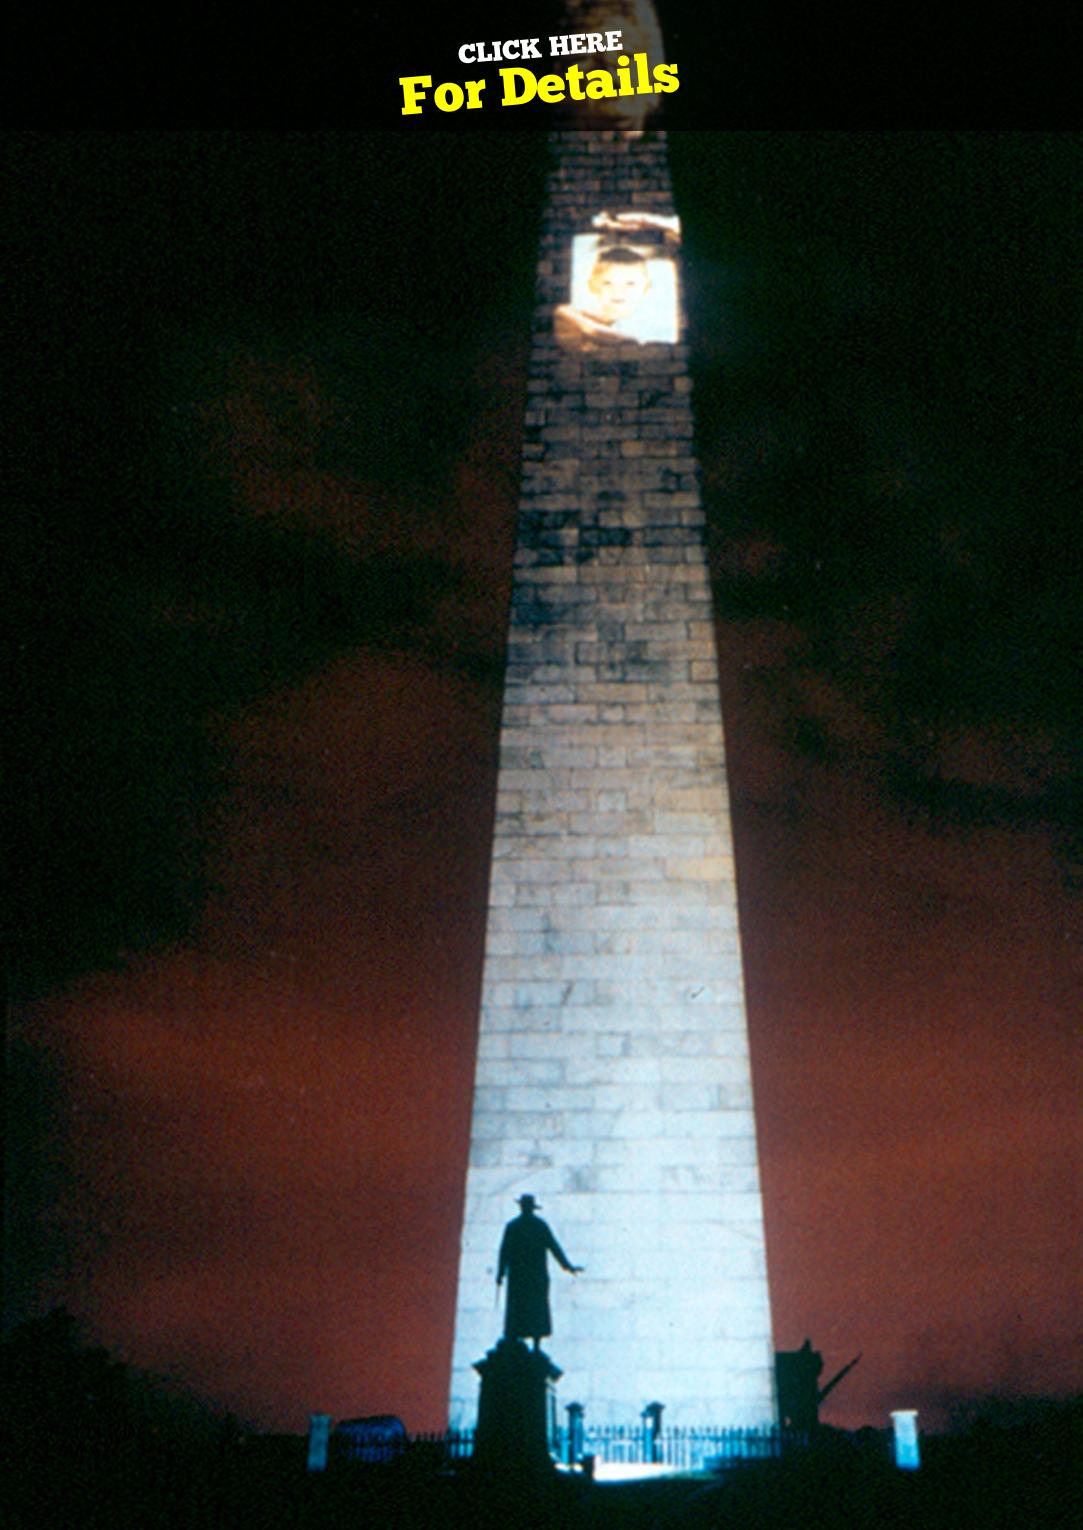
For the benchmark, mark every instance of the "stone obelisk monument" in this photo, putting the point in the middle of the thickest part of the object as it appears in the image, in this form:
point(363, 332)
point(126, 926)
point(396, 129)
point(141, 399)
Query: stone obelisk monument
point(613, 1079)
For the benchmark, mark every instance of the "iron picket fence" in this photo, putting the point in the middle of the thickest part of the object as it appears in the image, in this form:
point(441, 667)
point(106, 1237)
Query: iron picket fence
point(674, 1448)
point(677, 1448)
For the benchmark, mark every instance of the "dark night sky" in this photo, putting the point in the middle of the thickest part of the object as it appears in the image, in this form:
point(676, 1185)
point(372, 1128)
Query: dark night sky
point(266, 441)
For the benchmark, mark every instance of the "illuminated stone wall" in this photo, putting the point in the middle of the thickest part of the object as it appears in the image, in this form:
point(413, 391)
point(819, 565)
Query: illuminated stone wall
point(613, 1076)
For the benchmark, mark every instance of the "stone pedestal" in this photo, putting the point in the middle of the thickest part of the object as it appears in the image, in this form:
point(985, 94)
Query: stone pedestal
point(515, 1408)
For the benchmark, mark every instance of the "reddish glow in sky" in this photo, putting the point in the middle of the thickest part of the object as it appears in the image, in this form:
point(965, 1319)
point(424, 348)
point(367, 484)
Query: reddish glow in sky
point(252, 1132)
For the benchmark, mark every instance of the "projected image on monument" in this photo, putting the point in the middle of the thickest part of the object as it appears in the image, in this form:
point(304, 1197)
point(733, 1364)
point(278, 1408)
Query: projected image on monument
point(624, 283)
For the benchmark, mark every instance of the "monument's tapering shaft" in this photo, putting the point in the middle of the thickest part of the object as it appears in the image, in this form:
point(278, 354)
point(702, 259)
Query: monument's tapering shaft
point(613, 1076)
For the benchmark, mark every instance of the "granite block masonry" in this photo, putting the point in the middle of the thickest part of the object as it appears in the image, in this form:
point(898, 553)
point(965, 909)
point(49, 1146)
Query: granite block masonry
point(613, 1077)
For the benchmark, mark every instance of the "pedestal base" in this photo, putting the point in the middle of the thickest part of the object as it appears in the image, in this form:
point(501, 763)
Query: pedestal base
point(514, 1408)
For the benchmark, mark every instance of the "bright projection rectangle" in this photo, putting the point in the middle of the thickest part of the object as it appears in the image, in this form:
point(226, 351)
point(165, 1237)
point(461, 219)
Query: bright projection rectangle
point(623, 283)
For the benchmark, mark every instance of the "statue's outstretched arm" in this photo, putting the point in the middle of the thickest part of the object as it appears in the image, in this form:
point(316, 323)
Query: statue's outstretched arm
point(561, 1257)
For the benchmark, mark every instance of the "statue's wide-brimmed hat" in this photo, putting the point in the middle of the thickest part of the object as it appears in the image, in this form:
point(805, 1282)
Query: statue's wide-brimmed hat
point(527, 1202)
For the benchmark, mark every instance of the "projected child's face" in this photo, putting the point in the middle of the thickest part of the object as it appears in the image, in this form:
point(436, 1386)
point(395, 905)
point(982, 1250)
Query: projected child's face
point(617, 290)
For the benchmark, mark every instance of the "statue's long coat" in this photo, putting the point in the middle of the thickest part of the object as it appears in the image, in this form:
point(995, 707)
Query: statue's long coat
point(523, 1250)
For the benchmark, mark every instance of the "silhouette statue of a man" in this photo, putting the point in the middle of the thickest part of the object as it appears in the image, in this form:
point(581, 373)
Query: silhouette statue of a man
point(524, 1248)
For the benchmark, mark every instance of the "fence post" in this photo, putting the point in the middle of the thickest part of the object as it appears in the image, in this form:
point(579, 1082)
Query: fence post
point(574, 1411)
point(652, 1431)
point(907, 1452)
point(319, 1437)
